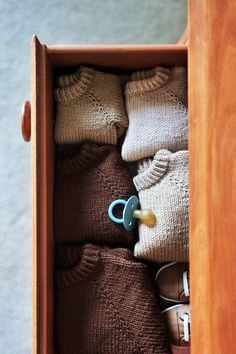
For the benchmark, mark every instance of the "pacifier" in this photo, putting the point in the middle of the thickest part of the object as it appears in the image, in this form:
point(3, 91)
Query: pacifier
point(131, 213)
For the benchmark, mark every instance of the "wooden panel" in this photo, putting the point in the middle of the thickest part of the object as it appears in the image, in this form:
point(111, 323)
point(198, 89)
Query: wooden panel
point(42, 180)
point(212, 120)
point(183, 39)
point(118, 56)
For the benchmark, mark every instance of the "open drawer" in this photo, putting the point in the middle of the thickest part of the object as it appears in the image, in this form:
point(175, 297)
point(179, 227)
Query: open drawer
point(211, 60)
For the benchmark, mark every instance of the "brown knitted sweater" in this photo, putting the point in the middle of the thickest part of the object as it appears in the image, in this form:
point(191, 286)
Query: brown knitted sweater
point(85, 185)
point(105, 304)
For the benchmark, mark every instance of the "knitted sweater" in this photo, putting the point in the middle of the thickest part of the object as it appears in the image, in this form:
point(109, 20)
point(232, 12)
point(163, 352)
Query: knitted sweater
point(85, 185)
point(105, 304)
point(162, 184)
point(156, 103)
point(89, 107)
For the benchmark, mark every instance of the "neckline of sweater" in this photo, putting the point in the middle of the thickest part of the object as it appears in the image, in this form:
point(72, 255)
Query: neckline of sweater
point(147, 80)
point(88, 258)
point(89, 154)
point(152, 170)
point(74, 85)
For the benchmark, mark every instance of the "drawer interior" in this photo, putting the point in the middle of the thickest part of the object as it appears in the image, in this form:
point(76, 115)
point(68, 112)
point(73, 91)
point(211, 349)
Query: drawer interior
point(47, 61)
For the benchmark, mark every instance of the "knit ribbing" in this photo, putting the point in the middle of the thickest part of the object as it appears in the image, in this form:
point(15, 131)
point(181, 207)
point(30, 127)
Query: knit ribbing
point(67, 80)
point(144, 81)
point(85, 185)
point(89, 107)
point(150, 171)
point(157, 110)
point(86, 259)
point(89, 155)
point(112, 309)
point(168, 199)
point(74, 85)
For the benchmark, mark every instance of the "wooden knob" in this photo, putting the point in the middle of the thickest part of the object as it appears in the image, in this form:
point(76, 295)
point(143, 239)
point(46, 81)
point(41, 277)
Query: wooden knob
point(26, 120)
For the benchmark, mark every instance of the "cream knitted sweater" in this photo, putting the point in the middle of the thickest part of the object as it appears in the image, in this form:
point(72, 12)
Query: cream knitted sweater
point(156, 104)
point(162, 183)
point(89, 107)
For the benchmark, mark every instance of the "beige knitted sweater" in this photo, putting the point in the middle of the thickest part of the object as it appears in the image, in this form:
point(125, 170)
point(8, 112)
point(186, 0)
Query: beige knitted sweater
point(162, 183)
point(156, 104)
point(89, 107)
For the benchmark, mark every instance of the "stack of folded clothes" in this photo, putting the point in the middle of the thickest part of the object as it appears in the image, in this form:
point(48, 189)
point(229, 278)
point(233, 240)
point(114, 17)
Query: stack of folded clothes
point(105, 296)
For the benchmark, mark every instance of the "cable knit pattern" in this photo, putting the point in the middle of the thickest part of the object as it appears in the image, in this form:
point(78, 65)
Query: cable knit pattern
point(162, 184)
point(85, 185)
point(105, 303)
point(89, 107)
point(156, 104)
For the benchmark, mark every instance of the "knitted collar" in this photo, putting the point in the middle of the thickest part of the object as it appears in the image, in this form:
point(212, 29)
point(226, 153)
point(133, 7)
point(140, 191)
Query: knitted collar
point(73, 85)
point(152, 170)
point(88, 155)
point(88, 258)
point(147, 80)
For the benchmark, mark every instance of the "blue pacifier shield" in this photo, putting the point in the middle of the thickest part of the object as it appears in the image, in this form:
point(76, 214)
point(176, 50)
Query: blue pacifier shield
point(128, 220)
point(129, 206)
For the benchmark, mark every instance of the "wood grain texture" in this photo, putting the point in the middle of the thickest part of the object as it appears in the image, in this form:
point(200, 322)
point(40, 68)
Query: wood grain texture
point(120, 57)
point(183, 39)
point(42, 184)
point(212, 145)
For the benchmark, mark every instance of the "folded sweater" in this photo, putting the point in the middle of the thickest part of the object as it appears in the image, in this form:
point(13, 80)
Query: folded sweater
point(89, 106)
point(156, 104)
point(85, 185)
point(105, 303)
point(162, 185)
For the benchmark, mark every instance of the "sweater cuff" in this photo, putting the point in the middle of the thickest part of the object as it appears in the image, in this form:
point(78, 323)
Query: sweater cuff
point(144, 81)
point(73, 85)
point(151, 171)
point(88, 257)
point(89, 154)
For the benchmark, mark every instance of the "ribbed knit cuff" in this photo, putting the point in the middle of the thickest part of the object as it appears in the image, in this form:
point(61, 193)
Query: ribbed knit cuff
point(142, 74)
point(64, 81)
point(88, 257)
point(67, 256)
point(152, 170)
point(73, 85)
point(87, 155)
point(143, 81)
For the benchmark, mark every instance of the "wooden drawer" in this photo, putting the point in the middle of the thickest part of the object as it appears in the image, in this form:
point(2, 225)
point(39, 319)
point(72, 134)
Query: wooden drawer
point(211, 60)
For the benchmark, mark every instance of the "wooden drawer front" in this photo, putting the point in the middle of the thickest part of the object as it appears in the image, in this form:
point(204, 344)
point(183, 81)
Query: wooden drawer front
point(44, 61)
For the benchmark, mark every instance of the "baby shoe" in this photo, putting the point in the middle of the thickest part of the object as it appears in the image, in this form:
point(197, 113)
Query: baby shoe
point(177, 319)
point(105, 303)
point(156, 104)
point(89, 107)
point(86, 182)
point(162, 185)
point(172, 282)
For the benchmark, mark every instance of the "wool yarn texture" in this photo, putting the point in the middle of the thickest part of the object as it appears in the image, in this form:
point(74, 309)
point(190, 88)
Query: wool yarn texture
point(85, 184)
point(90, 107)
point(162, 185)
point(105, 303)
point(156, 104)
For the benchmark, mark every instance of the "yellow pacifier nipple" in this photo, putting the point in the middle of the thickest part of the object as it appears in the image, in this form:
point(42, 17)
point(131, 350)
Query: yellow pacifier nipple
point(145, 216)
